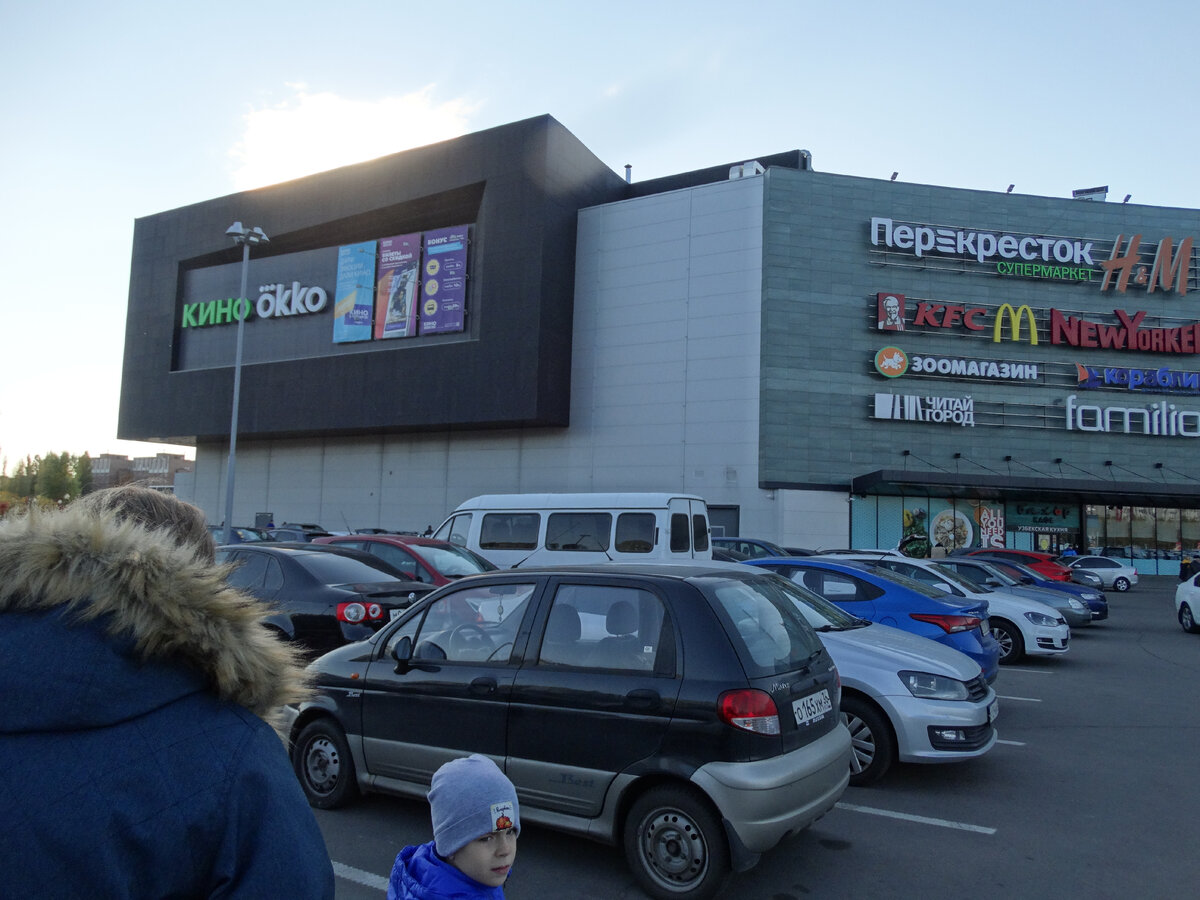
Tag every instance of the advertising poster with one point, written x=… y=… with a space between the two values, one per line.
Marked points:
x=355 y=293
x=950 y=528
x=444 y=281
x=396 y=284
x=914 y=540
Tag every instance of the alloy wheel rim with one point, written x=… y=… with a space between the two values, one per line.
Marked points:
x=861 y=741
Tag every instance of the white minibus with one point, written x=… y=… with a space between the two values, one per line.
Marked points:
x=514 y=530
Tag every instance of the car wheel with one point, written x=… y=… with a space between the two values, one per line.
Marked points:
x=321 y=758
x=1121 y=584
x=1187 y=620
x=1008 y=636
x=675 y=845
x=873 y=748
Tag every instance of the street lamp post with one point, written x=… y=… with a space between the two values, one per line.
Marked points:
x=246 y=237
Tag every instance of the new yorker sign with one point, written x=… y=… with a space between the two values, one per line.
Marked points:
x=1153 y=266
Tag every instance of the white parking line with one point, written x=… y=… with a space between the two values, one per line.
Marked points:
x=1028 y=671
x=370 y=879
x=922 y=820
x=1011 y=743
x=1022 y=699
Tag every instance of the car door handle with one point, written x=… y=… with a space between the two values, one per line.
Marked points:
x=643 y=698
x=483 y=685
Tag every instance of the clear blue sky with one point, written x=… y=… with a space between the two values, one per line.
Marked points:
x=117 y=110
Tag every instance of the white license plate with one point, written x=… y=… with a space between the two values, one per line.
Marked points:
x=813 y=707
x=394 y=614
x=993 y=711
x=985 y=626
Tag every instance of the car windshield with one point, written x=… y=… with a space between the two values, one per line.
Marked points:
x=451 y=560
x=250 y=535
x=985 y=571
x=333 y=568
x=764 y=621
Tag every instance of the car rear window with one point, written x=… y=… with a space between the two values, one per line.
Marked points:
x=765 y=626
x=330 y=568
x=451 y=560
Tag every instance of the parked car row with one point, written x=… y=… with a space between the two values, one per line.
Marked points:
x=649 y=705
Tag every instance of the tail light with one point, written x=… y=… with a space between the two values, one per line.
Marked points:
x=949 y=624
x=359 y=611
x=749 y=710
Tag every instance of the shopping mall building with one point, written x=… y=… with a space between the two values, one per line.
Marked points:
x=827 y=360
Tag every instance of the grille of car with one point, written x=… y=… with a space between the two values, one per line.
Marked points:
x=977 y=688
x=973 y=738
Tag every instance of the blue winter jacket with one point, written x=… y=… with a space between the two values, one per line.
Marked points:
x=420 y=874
x=136 y=763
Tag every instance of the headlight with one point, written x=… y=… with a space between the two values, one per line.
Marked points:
x=1039 y=619
x=1093 y=596
x=1075 y=604
x=934 y=687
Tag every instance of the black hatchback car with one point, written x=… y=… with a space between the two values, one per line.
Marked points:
x=688 y=713
x=321 y=599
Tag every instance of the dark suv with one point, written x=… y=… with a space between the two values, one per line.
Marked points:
x=686 y=712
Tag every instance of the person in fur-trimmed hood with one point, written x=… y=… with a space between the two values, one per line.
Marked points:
x=138 y=695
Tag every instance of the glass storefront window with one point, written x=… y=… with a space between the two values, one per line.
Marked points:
x=1189 y=530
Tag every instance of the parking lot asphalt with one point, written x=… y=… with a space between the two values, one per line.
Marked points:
x=1088 y=793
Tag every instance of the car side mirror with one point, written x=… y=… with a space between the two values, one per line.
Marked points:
x=943 y=587
x=402 y=652
x=1026 y=579
x=993 y=582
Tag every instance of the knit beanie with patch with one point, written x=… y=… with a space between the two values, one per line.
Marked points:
x=469 y=798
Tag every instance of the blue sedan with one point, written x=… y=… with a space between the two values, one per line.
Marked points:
x=1092 y=597
x=897 y=601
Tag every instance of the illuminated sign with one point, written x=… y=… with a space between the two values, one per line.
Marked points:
x=947 y=315
x=890 y=311
x=988 y=370
x=1043 y=256
x=1150 y=381
x=980 y=245
x=1014 y=316
x=1128 y=335
x=891 y=362
x=914 y=408
x=1044 y=517
x=1158 y=419
x=1165 y=268
x=274 y=301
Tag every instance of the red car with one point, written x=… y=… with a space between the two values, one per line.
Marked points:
x=1043 y=563
x=425 y=559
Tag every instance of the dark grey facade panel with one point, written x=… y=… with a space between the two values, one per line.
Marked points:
x=519 y=188
x=819 y=336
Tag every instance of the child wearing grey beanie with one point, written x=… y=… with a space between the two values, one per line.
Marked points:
x=476 y=821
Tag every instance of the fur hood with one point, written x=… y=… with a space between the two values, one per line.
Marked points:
x=160 y=600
